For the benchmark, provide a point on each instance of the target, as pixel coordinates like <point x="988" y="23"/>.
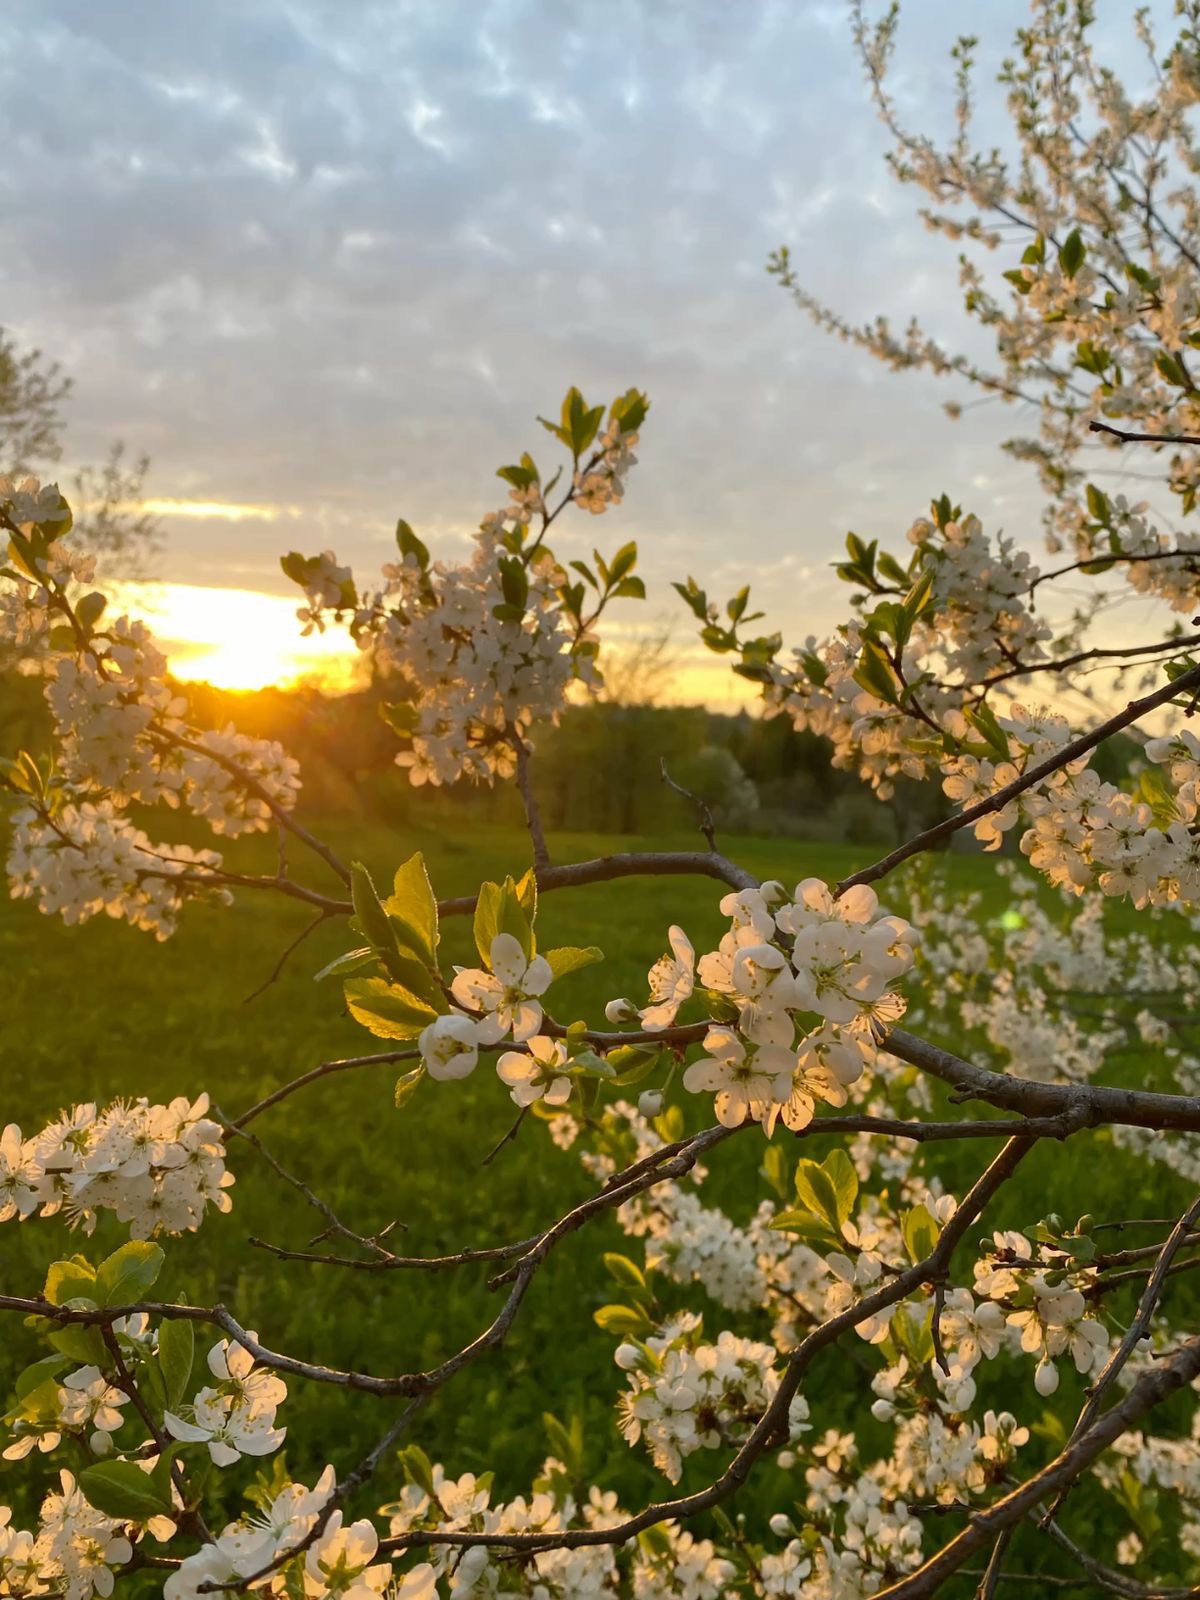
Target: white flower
<point x="506" y="996"/>
<point x="87" y="1399"/>
<point x="534" y="1076"/>
<point x="672" y="978"/>
<point x="450" y="1046"/>
<point x="744" y="1085"/>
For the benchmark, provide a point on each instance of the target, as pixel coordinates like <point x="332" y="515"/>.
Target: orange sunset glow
<point x="239" y="638"/>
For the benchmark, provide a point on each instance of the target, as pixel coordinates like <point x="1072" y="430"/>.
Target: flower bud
<point x="1045" y="1379"/>
<point x="781" y="1525"/>
<point x="621" y="1013"/>
<point x="786" y="1459"/>
<point x="627" y="1356"/>
<point x="100" y="1443"/>
<point x="650" y="1102"/>
<point x="883" y="1411"/>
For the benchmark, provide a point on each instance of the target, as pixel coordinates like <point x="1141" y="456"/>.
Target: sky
<point x="326" y="261"/>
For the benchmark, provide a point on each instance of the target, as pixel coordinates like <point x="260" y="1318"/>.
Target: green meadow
<point x="101" y="1011"/>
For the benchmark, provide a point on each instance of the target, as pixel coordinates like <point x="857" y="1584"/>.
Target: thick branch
<point x="1080" y="1105"/>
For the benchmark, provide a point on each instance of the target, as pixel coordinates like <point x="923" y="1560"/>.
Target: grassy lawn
<point x="116" y="1014"/>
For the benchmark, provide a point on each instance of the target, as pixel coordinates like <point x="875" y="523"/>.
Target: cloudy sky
<point x="325" y="260"/>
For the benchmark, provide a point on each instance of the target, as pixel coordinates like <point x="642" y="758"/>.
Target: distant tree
<point x="111" y="521"/>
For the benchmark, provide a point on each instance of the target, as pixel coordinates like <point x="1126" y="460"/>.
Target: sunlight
<point x="237" y="638"/>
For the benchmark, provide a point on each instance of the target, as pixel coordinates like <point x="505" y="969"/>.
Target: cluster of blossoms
<point x="501" y="1000"/>
<point x="974" y="619"/>
<point x="28" y="598"/>
<point x="685" y="1394"/>
<point x="808" y="985"/>
<point x="487" y="649"/>
<point x="1048" y="1315"/>
<point x="121" y="739"/>
<point x="665" y="1563"/>
<point x="73" y="1551"/>
<point x="236" y="1415"/>
<point x="1145" y="1461"/>
<point x="158" y="1167"/>
<point x="1081" y="830"/>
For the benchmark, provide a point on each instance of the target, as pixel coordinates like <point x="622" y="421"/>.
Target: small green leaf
<point x="368" y="909"/>
<point x="623" y="1319"/>
<point x="572" y="958"/>
<point x="89" y="610"/>
<point x="1071" y="253"/>
<point x="176" y="1353"/>
<point x="129" y="1273"/>
<point x="81" y="1344"/>
<point x="70" y="1280"/>
<point x="412" y="909"/>
<point x="499" y="910"/>
<point x="122" y="1490"/>
<point x="387" y="1010"/>
<point x="418" y="1469"/>
<point x="410" y="545"/>
<point x="31" y="1378"/>
<point x="350" y="961"/>
<point x="407" y="1086"/>
<point x="624" y="1270"/>
<point x="920" y="1233"/>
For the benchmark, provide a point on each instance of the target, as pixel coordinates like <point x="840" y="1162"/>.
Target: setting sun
<point x="238" y="638"/>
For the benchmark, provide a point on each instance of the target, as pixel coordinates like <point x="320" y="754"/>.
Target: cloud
<point x="338" y="257"/>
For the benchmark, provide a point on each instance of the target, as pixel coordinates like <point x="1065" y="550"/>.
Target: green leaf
<point x="70" y="1280"/>
<point x="920" y="1233"/>
<point x="34" y="1376"/>
<point x="623" y="562"/>
<point x="349" y="961"/>
<point x="89" y="610"/>
<point x="176" y="1353"/>
<point x="410" y="545"/>
<point x="874" y="673"/>
<point x="499" y="910"/>
<point x="388" y="1010"/>
<point x="129" y="1273"/>
<point x="695" y="598"/>
<point x="418" y="1469"/>
<point x="1172" y="370"/>
<point x="629" y="410"/>
<point x="122" y="1490"/>
<point x="828" y="1190"/>
<point x="623" y="1319"/>
<point x="774" y="1169"/>
<point x="624" y="1270"/>
<point x="81" y="1344"/>
<point x="407" y="1086"/>
<point x="527" y="893"/>
<point x="1098" y="504"/>
<point x="1071" y="253"/>
<point x="572" y="958"/>
<point x="368" y="908"/>
<point x="633" y="1062"/>
<point x="807" y="1225"/>
<point x="412" y="909"/>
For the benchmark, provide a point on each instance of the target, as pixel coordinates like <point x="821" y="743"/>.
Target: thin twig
<point x="704" y="816"/>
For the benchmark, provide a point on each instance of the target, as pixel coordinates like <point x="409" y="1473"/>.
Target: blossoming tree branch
<point x="859" y="1264"/>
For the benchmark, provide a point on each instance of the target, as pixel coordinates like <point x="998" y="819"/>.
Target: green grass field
<point x="102" y="1011"/>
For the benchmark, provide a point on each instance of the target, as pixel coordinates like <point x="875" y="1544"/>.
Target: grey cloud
<point x="340" y="254"/>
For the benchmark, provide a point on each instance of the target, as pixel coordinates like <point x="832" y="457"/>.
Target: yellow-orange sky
<point x="248" y="639"/>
